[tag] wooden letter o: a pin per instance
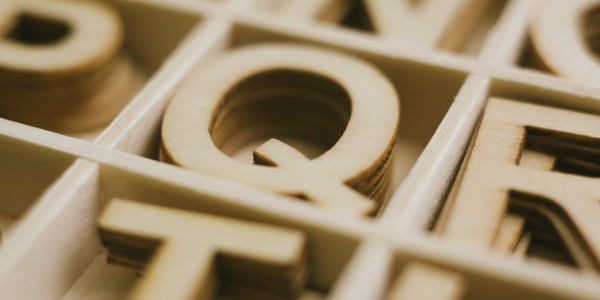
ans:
(95, 36)
(558, 34)
(73, 82)
(319, 82)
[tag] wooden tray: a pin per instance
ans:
(53, 187)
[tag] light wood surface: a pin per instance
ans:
(509, 233)
(62, 65)
(507, 127)
(348, 108)
(420, 281)
(102, 281)
(397, 19)
(52, 249)
(567, 29)
(442, 23)
(95, 34)
(255, 259)
(62, 68)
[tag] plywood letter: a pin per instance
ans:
(428, 23)
(563, 34)
(181, 247)
(567, 185)
(273, 88)
(61, 66)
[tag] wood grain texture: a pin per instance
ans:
(443, 23)
(61, 66)
(569, 193)
(564, 34)
(181, 251)
(57, 238)
(309, 92)
(418, 281)
(397, 20)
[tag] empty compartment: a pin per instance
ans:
(27, 171)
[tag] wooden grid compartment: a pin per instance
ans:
(54, 187)
(151, 33)
(29, 170)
